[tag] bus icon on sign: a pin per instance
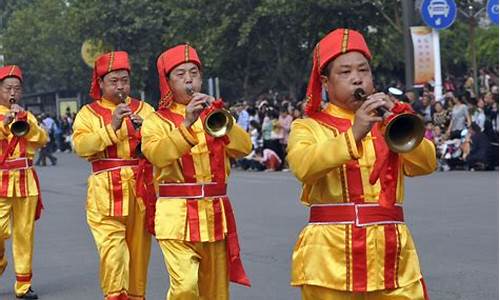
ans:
(438, 8)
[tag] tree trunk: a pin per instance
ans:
(472, 32)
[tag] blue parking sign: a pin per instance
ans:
(493, 10)
(439, 14)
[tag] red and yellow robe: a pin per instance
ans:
(182, 155)
(94, 139)
(334, 169)
(20, 182)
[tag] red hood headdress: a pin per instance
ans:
(11, 71)
(167, 61)
(335, 43)
(108, 62)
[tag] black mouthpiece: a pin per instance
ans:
(360, 94)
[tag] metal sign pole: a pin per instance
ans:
(438, 83)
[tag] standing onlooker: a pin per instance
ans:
(491, 110)
(252, 115)
(460, 118)
(255, 134)
(478, 115)
(285, 121)
(267, 128)
(469, 88)
(484, 81)
(46, 151)
(277, 135)
(243, 117)
(423, 107)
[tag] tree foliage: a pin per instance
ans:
(251, 45)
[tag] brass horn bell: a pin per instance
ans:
(218, 123)
(404, 132)
(20, 128)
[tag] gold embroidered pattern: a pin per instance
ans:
(345, 41)
(316, 53)
(12, 70)
(186, 52)
(111, 61)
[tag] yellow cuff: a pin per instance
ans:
(352, 147)
(188, 135)
(122, 134)
(112, 134)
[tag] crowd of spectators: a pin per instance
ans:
(59, 131)
(462, 124)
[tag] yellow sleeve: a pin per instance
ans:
(123, 134)
(4, 131)
(310, 158)
(420, 161)
(163, 143)
(36, 134)
(240, 143)
(88, 138)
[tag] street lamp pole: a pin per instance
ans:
(408, 12)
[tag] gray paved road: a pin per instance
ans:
(453, 217)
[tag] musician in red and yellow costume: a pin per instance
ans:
(20, 198)
(105, 133)
(356, 245)
(192, 219)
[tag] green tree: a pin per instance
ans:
(46, 49)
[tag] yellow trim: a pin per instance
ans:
(351, 144)
(347, 256)
(345, 41)
(188, 136)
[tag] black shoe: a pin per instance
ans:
(54, 161)
(28, 295)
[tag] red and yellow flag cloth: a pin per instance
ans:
(167, 61)
(107, 62)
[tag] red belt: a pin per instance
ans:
(110, 164)
(192, 190)
(14, 164)
(195, 191)
(358, 214)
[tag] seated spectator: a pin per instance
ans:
(251, 162)
(261, 160)
(429, 131)
(476, 150)
(440, 117)
(271, 160)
